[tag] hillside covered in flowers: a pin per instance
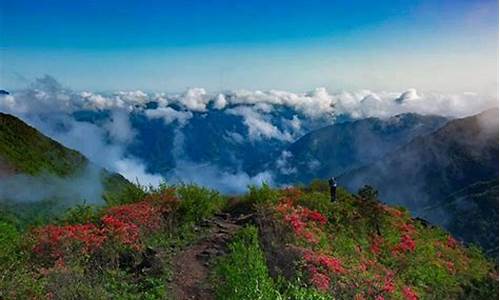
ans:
(290, 243)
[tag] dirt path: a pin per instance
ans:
(191, 266)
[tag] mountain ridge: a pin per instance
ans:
(341, 147)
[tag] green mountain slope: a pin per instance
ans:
(28, 154)
(26, 150)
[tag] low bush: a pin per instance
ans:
(81, 214)
(197, 203)
(262, 194)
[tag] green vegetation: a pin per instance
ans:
(299, 247)
(243, 273)
(131, 266)
(197, 202)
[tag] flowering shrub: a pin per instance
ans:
(141, 214)
(125, 233)
(123, 224)
(407, 244)
(328, 263)
(451, 242)
(320, 268)
(54, 241)
(304, 222)
(318, 279)
(409, 294)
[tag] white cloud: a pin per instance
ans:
(258, 126)
(220, 101)
(195, 99)
(295, 122)
(8, 103)
(96, 147)
(135, 171)
(210, 176)
(385, 104)
(283, 163)
(314, 104)
(119, 127)
(95, 101)
(169, 115)
(234, 137)
(48, 107)
(137, 97)
(47, 95)
(313, 165)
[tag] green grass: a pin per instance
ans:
(243, 273)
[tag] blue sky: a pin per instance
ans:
(294, 45)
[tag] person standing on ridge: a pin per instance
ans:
(333, 188)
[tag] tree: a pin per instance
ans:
(372, 209)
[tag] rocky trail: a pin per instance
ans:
(191, 266)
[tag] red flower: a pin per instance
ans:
(310, 237)
(329, 263)
(142, 214)
(126, 233)
(320, 281)
(450, 266)
(124, 224)
(303, 221)
(53, 240)
(407, 228)
(317, 217)
(451, 242)
(376, 242)
(409, 294)
(389, 286)
(406, 244)
(332, 264)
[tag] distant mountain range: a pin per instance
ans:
(339, 148)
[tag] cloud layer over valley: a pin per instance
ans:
(114, 129)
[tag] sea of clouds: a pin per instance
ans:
(48, 106)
